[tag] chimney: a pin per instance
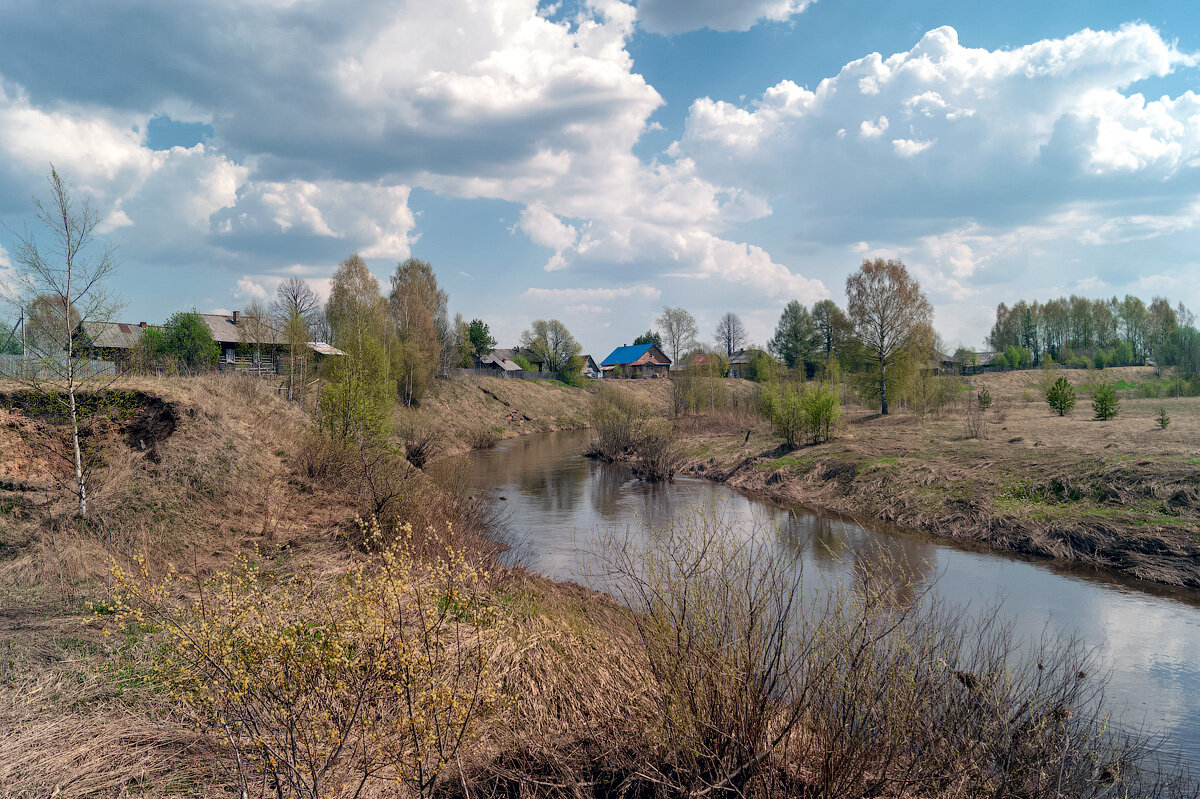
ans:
(235, 317)
(142, 325)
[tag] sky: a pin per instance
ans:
(595, 160)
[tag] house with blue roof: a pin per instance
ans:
(638, 360)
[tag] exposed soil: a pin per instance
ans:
(1122, 494)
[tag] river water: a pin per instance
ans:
(558, 504)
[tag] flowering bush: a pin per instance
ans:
(323, 685)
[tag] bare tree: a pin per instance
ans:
(64, 283)
(678, 330)
(294, 297)
(889, 312)
(294, 310)
(731, 334)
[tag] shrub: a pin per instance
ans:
(1100, 360)
(1105, 403)
(421, 443)
(975, 420)
(867, 688)
(658, 454)
(1061, 396)
(801, 413)
(322, 685)
(984, 398)
(482, 438)
(616, 419)
(1162, 418)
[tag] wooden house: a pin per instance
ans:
(591, 368)
(248, 344)
(496, 357)
(112, 341)
(638, 360)
(740, 363)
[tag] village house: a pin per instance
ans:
(246, 344)
(591, 368)
(740, 363)
(114, 341)
(637, 360)
(502, 362)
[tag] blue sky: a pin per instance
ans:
(594, 161)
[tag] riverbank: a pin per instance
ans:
(1121, 495)
(468, 413)
(228, 474)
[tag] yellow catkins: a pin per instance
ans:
(381, 672)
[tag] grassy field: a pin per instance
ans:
(1123, 493)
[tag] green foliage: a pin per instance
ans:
(649, 337)
(1181, 349)
(189, 341)
(801, 413)
(796, 338)
(9, 343)
(1100, 360)
(1061, 396)
(984, 398)
(1162, 418)
(1104, 402)
(523, 362)
(550, 342)
(1017, 357)
(411, 370)
(480, 337)
(762, 368)
(357, 402)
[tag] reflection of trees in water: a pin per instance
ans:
(809, 535)
(900, 563)
(846, 552)
(607, 488)
(557, 488)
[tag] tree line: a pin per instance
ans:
(883, 337)
(1075, 331)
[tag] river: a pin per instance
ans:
(557, 503)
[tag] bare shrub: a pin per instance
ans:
(767, 686)
(482, 438)
(421, 442)
(616, 418)
(975, 419)
(659, 455)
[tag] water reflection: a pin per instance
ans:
(1149, 637)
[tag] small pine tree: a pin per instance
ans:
(1061, 396)
(1104, 402)
(1162, 418)
(984, 397)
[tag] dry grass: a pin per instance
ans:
(471, 411)
(1120, 494)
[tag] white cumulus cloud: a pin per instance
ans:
(679, 16)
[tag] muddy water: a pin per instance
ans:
(558, 502)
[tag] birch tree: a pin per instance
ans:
(889, 312)
(678, 330)
(64, 273)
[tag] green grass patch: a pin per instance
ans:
(792, 462)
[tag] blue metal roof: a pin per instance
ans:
(627, 354)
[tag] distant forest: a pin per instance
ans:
(1075, 331)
